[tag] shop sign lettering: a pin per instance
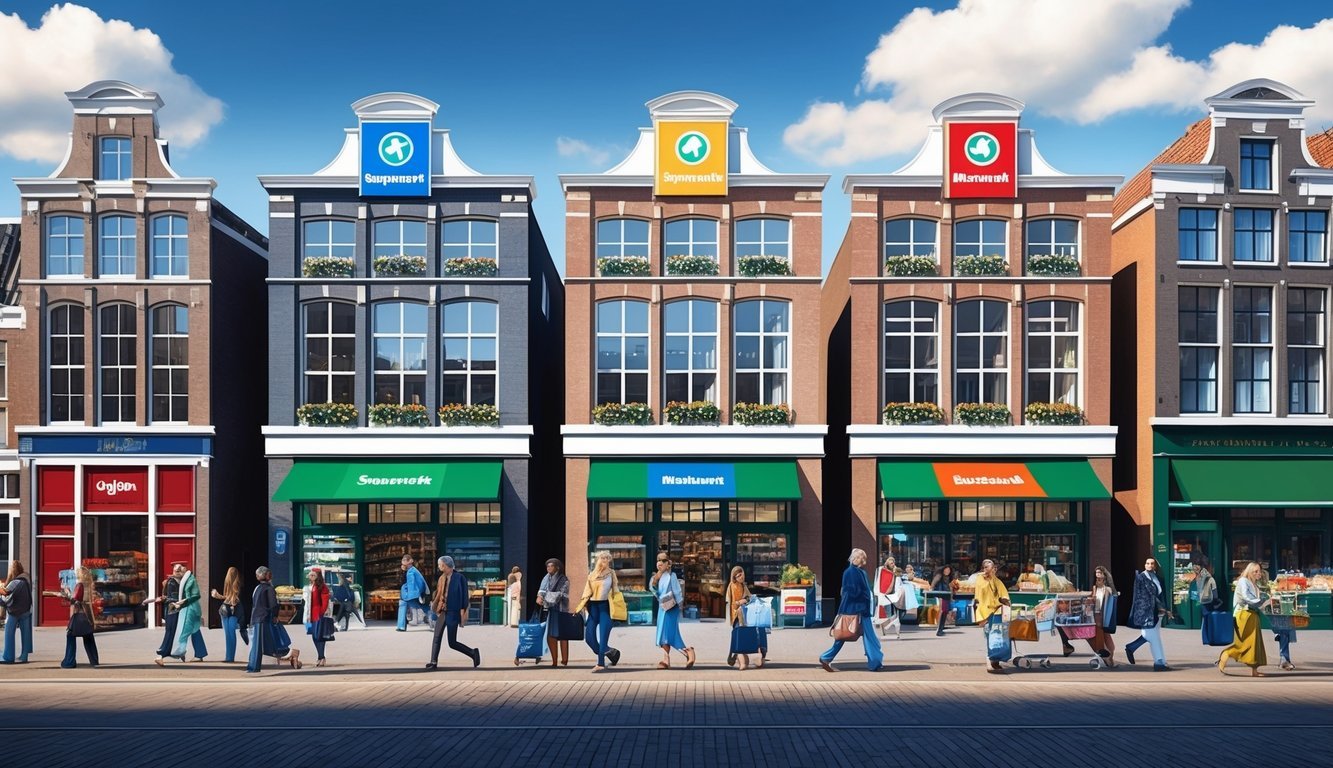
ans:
(113, 487)
(122, 445)
(395, 159)
(981, 160)
(418, 480)
(990, 480)
(691, 157)
(684, 481)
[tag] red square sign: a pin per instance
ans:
(115, 489)
(981, 160)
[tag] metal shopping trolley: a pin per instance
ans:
(1291, 612)
(1026, 626)
(1076, 617)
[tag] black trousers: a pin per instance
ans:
(169, 635)
(89, 647)
(449, 625)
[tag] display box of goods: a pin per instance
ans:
(1292, 583)
(640, 617)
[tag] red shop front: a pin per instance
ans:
(127, 523)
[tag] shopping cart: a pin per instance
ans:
(1291, 612)
(1026, 625)
(1076, 618)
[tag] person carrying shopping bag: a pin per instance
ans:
(991, 600)
(1146, 610)
(666, 588)
(553, 597)
(318, 622)
(16, 596)
(598, 594)
(1248, 646)
(270, 637)
(888, 599)
(854, 611)
(744, 639)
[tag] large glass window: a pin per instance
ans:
(1307, 237)
(64, 246)
(924, 552)
(117, 362)
(329, 238)
(1256, 164)
(335, 514)
(330, 352)
(400, 333)
(983, 511)
(1254, 234)
(763, 237)
(1306, 323)
(470, 353)
(909, 511)
(116, 255)
(469, 239)
(1197, 231)
(981, 237)
(689, 350)
(1052, 236)
(760, 511)
(1197, 319)
(1057, 553)
(170, 246)
(691, 237)
(400, 238)
(763, 336)
(911, 351)
(113, 158)
(623, 511)
(399, 513)
(467, 513)
(981, 350)
(1052, 352)
(910, 237)
(170, 355)
(4, 370)
(691, 511)
(65, 399)
(622, 352)
(1252, 351)
(618, 238)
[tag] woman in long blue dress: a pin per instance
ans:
(666, 587)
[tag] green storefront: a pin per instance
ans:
(359, 518)
(1228, 494)
(709, 515)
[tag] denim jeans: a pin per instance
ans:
(21, 626)
(1284, 639)
(89, 647)
(230, 626)
(405, 605)
(869, 639)
(597, 633)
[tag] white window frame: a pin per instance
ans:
(692, 337)
(4, 369)
(124, 158)
(625, 340)
(177, 257)
(765, 245)
(119, 366)
(402, 374)
(329, 376)
(473, 247)
(767, 375)
(119, 239)
(331, 248)
(1323, 236)
(1274, 235)
(69, 239)
(981, 243)
(1272, 164)
(622, 246)
(156, 336)
(911, 246)
(914, 337)
(1216, 229)
(399, 246)
(72, 372)
(1052, 369)
(1216, 346)
(1321, 347)
(983, 371)
(1238, 346)
(692, 245)
(1051, 246)
(470, 372)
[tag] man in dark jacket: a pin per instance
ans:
(857, 600)
(451, 603)
(269, 637)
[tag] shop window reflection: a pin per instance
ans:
(760, 511)
(622, 512)
(699, 554)
(1052, 512)
(400, 513)
(984, 511)
(909, 511)
(628, 559)
(457, 513)
(691, 511)
(333, 514)
(923, 551)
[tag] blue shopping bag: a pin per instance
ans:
(745, 639)
(531, 638)
(1219, 629)
(997, 639)
(759, 613)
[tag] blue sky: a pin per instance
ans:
(266, 87)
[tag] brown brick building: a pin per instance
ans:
(693, 276)
(139, 291)
(971, 284)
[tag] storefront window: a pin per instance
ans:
(969, 550)
(460, 513)
(691, 511)
(909, 511)
(1250, 544)
(331, 552)
(115, 547)
(699, 554)
(622, 512)
(400, 513)
(984, 511)
(333, 514)
(1052, 512)
(478, 558)
(1058, 554)
(760, 512)
(384, 554)
(629, 558)
(1301, 551)
(762, 556)
(925, 552)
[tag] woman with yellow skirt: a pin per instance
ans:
(1248, 647)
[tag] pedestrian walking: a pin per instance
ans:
(270, 637)
(514, 596)
(16, 596)
(944, 580)
(888, 615)
(1103, 593)
(189, 620)
(553, 597)
(991, 598)
(666, 588)
(602, 585)
(854, 608)
(318, 623)
(345, 596)
(171, 592)
(1148, 606)
(1205, 588)
(231, 613)
(451, 604)
(80, 619)
(1248, 645)
(413, 595)
(738, 596)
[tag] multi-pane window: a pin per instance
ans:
(1197, 318)
(398, 513)
(470, 352)
(910, 237)
(4, 370)
(762, 339)
(911, 351)
(113, 158)
(1251, 347)
(1256, 164)
(170, 355)
(330, 352)
(1307, 236)
(622, 352)
(399, 329)
(116, 252)
(1197, 232)
(980, 237)
(981, 352)
(469, 239)
(763, 237)
(1254, 234)
(1052, 236)
(64, 246)
(65, 400)
(689, 350)
(329, 238)
(618, 238)
(117, 362)
(400, 238)
(691, 237)
(1306, 330)
(691, 511)
(468, 513)
(1052, 352)
(170, 246)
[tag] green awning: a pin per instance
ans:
(745, 480)
(1056, 480)
(1254, 483)
(391, 481)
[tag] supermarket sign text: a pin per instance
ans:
(981, 160)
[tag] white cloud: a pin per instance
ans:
(567, 147)
(1079, 61)
(71, 47)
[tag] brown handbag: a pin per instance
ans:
(1023, 629)
(846, 626)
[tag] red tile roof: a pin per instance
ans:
(1321, 148)
(1186, 149)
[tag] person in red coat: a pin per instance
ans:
(316, 607)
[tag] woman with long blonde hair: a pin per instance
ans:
(738, 596)
(80, 618)
(230, 612)
(601, 585)
(16, 597)
(1248, 645)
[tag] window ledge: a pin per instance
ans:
(1255, 264)
(1211, 263)
(1308, 264)
(877, 440)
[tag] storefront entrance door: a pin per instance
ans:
(699, 554)
(1190, 543)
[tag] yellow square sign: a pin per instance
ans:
(691, 158)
